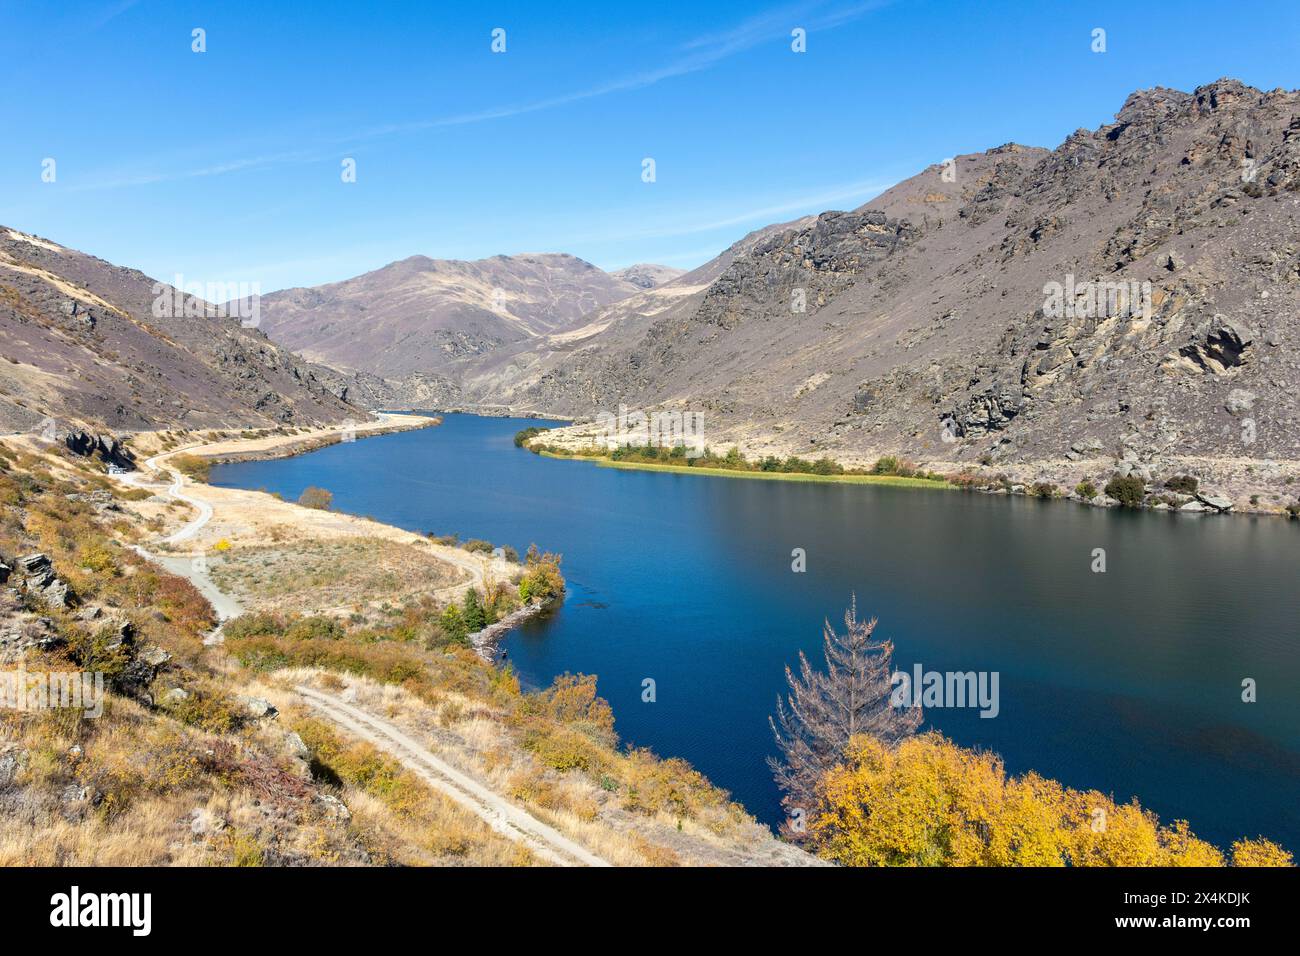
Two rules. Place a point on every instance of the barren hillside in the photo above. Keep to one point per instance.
(80, 343)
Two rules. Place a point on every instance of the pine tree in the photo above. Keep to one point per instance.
(472, 612)
(813, 724)
(453, 625)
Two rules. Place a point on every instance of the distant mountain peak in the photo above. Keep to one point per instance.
(422, 315)
(647, 275)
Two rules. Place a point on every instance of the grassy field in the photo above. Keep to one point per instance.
(894, 480)
(330, 573)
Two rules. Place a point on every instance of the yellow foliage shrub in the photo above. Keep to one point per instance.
(929, 802)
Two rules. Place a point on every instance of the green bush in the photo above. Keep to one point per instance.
(452, 623)
(1185, 484)
(315, 628)
(522, 437)
(885, 465)
(192, 466)
(1127, 491)
(1086, 489)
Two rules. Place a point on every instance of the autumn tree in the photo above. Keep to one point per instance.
(826, 709)
(542, 579)
(318, 498)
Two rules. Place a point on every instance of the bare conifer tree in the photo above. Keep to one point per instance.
(824, 709)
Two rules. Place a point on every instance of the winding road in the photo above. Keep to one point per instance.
(501, 815)
(186, 566)
(504, 817)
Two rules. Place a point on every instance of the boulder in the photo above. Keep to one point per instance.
(334, 807)
(257, 707)
(1240, 401)
(12, 760)
(1194, 507)
(40, 581)
(35, 565)
(1217, 502)
(154, 656)
(1224, 347)
(203, 821)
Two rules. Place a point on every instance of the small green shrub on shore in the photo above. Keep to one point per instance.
(1086, 489)
(522, 437)
(1128, 491)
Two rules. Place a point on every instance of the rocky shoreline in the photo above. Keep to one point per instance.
(315, 443)
(487, 642)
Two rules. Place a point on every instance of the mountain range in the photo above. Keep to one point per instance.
(1131, 294)
(978, 312)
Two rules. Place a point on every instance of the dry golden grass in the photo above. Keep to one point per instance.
(329, 575)
(632, 810)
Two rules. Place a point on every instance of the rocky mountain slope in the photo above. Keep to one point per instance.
(80, 343)
(1129, 296)
(424, 315)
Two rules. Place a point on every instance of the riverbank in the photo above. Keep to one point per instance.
(1095, 482)
(894, 480)
(230, 445)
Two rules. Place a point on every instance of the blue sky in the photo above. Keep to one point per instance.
(225, 165)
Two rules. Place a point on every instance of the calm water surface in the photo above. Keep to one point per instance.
(1128, 681)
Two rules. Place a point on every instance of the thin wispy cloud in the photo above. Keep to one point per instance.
(697, 54)
(857, 192)
(111, 12)
(296, 157)
(701, 52)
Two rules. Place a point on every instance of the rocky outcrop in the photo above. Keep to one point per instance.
(104, 447)
(792, 274)
(41, 583)
(1224, 347)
